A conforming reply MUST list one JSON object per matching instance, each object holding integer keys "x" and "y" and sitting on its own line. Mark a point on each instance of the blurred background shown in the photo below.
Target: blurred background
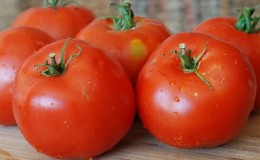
{"x": 178, "y": 15}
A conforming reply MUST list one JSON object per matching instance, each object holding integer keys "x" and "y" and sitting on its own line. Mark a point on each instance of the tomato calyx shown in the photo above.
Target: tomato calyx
{"x": 55, "y": 69}
{"x": 189, "y": 64}
{"x": 126, "y": 19}
{"x": 59, "y": 3}
{"x": 246, "y": 22}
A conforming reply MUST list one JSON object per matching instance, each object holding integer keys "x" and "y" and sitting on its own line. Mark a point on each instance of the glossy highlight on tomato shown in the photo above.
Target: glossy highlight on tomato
{"x": 182, "y": 110}
{"x": 82, "y": 111}
{"x": 16, "y": 44}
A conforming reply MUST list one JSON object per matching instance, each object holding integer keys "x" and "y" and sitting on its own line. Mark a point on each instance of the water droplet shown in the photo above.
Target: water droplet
{"x": 40, "y": 43}
{"x": 196, "y": 94}
{"x": 153, "y": 61}
{"x": 66, "y": 124}
{"x": 250, "y": 83}
{"x": 172, "y": 83}
{"x": 176, "y": 99}
{"x": 84, "y": 93}
{"x": 235, "y": 62}
{"x": 218, "y": 78}
{"x": 59, "y": 156}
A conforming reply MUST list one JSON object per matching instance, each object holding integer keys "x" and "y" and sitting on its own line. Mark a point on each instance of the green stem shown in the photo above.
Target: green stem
{"x": 126, "y": 19}
{"x": 60, "y": 3}
{"x": 246, "y": 22}
{"x": 55, "y": 69}
{"x": 53, "y": 60}
{"x": 189, "y": 64}
{"x": 203, "y": 79}
{"x": 185, "y": 59}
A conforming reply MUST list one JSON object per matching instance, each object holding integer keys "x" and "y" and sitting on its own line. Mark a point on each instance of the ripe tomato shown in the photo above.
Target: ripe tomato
{"x": 184, "y": 110}
{"x": 58, "y": 21}
{"x": 249, "y": 43}
{"x": 16, "y": 44}
{"x": 131, "y": 41}
{"x": 81, "y": 107}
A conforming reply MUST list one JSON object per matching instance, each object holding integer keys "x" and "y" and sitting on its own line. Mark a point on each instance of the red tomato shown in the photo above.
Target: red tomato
{"x": 130, "y": 43}
{"x": 84, "y": 110}
{"x": 16, "y": 44}
{"x": 59, "y": 22}
{"x": 182, "y": 110}
{"x": 249, "y": 43}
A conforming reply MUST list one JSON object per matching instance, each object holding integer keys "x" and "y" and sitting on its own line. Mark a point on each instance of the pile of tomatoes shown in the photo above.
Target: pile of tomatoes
{"x": 73, "y": 82}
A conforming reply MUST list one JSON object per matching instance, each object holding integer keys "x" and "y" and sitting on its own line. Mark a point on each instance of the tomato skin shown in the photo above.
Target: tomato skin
{"x": 82, "y": 113}
{"x": 179, "y": 109}
{"x": 224, "y": 29}
{"x": 131, "y": 47}
{"x": 16, "y": 44}
{"x": 60, "y": 23}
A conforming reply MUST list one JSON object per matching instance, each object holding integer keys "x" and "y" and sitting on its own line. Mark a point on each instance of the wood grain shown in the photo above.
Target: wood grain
{"x": 139, "y": 144}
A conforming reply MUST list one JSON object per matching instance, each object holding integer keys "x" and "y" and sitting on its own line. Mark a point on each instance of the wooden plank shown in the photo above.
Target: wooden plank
{"x": 140, "y": 144}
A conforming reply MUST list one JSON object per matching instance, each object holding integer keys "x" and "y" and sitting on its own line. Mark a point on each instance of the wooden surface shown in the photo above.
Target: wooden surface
{"x": 141, "y": 145}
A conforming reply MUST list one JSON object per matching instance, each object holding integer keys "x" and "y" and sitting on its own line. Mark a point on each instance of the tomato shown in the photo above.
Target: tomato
{"x": 16, "y": 44}
{"x": 131, "y": 41}
{"x": 79, "y": 107}
{"x": 58, "y": 21}
{"x": 248, "y": 41}
{"x": 194, "y": 98}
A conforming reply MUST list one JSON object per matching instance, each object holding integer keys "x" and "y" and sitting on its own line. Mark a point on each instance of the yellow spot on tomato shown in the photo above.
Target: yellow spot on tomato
{"x": 137, "y": 49}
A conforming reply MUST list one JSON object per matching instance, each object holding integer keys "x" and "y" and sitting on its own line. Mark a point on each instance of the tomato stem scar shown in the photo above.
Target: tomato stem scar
{"x": 189, "y": 64}
{"x": 55, "y": 69}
